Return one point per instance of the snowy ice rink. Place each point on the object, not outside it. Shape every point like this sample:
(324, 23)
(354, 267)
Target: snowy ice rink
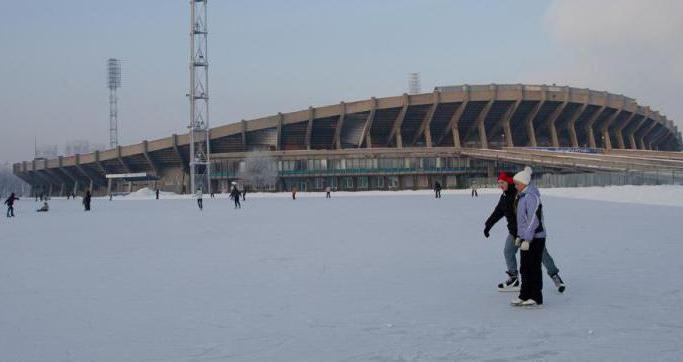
(391, 277)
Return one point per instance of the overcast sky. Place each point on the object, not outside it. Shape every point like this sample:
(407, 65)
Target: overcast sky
(271, 56)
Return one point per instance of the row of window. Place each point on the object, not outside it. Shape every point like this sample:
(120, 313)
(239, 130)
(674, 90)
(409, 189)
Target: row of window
(343, 183)
(224, 166)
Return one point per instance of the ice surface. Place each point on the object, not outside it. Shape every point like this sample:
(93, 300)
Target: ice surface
(355, 278)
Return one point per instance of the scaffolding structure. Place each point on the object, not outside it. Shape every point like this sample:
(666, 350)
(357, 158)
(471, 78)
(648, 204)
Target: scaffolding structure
(199, 99)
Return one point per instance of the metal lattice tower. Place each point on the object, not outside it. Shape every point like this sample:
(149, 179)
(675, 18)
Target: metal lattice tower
(414, 86)
(113, 82)
(199, 99)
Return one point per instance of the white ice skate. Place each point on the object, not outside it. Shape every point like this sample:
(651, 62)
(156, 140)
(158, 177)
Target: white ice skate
(516, 302)
(530, 303)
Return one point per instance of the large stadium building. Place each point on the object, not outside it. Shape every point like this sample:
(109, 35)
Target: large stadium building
(453, 135)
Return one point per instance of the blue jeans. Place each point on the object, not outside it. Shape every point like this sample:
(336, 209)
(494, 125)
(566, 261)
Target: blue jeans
(510, 253)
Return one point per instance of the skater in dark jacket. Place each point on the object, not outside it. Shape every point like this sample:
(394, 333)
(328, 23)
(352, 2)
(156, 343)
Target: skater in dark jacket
(86, 200)
(437, 189)
(10, 204)
(235, 196)
(506, 208)
(157, 193)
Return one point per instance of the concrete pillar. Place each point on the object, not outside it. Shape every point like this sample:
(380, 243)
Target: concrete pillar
(634, 130)
(365, 135)
(589, 127)
(425, 125)
(243, 133)
(571, 125)
(280, 121)
(338, 129)
(505, 123)
(481, 126)
(456, 137)
(642, 141)
(529, 124)
(453, 125)
(395, 132)
(552, 128)
(309, 127)
(620, 133)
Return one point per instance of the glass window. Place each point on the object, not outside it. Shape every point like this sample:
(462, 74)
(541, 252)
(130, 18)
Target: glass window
(363, 182)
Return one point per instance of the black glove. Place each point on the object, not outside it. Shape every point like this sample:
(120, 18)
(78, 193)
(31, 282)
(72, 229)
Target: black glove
(486, 232)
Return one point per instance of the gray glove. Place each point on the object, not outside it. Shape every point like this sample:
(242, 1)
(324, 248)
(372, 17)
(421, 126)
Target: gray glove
(518, 242)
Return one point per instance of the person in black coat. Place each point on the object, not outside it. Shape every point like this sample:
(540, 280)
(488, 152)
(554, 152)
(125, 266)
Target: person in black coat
(437, 189)
(10, 204)
(86, 200)
(235, 196)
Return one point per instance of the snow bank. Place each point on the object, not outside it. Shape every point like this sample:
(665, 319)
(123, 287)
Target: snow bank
(669, 195)
(145, 193)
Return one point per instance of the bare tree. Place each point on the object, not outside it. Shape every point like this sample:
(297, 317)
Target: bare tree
(10, 183)
(259, 170)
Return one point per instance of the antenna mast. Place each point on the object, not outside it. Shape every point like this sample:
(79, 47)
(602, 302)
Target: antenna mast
(199, 99)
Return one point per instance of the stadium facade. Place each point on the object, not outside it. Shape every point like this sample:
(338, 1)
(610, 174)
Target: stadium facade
(453, 135)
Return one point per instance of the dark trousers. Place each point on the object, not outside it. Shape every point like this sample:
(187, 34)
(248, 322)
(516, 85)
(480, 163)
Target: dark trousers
(437, 194)
(327, 196)
(532, 276)
(87, 206)
(199, 203)
(10, 211)
(237, 202)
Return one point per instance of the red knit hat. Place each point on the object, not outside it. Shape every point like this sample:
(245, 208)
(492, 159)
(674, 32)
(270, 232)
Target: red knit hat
(505, 177)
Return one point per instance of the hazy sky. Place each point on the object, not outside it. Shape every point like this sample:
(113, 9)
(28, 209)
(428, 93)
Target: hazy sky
(270, 56)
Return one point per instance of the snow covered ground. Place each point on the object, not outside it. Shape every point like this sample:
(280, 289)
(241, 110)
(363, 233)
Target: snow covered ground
(363, 277)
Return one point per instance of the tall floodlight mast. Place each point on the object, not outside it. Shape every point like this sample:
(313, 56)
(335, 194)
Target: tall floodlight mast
(199, 99)
(113, 82)
(414, 86)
